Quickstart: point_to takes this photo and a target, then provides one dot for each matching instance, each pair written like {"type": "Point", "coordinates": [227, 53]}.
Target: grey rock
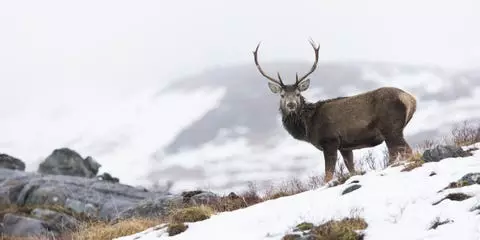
{"type": "Point", "coordinates": [10, 162]}
{"type": "Point", "coordinates": [21, 226]}
{"type": "Point", "coordinates": [108, 177]}
{"type": "Point", "coordinates": [444, 151]}
{"type": "Point", "coordinates": [89, 196]}
{"type": "Point", "coordinates": [151, 208]}
{"type": "Point", "coordinates": [11, 184]}
{"type": "Point", "coordinates": [65, 161]}
{"type": "Point", "coordinates": [200, 197]}
{"type": "Point", "coordinates": [351, 188]}
{"type": "Point", "coordinates": [471, 178]}
{"type": "Point", "coordinates": [205, 198]}
{"type": "Point", "coordinates": [58, 222]}
{"type": "Point", "coordinates": [92, 165]}
{"type": "Point", "coordinates": [113, 207]}
{"type": "Point", "coordinates": [81, 207]}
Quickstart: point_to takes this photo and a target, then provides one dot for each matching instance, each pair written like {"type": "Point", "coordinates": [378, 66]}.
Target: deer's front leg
{"type": "Point", "coordinates": [330, 155]}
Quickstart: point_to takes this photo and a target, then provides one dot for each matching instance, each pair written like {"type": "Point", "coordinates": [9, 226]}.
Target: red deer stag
{"type": "Point", "coordinates": [344, 123]}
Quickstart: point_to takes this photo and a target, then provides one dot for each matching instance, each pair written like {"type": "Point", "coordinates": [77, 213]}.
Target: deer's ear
{"type": "Point", "coordinates": [303, 85]}
{"type": "Point", "coordinates": [275, 88]}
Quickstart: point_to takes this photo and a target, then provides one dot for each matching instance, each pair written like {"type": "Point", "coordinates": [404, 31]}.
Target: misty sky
{"type": "Point", "coordinates": [73, 49]}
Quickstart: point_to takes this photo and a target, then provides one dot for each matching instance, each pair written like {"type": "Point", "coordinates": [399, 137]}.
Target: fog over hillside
{"type": "Point", "coordinates": [161, 91]}
{"type": "Point", "coordinates": [247, 117]}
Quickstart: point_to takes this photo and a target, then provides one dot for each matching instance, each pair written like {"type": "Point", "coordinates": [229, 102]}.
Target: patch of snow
{"type": "Point", "coordinates": [396, 205]}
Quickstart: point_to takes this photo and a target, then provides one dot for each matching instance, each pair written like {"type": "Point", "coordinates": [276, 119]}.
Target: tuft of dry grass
{"type": "Point", "coordinates": [292, 237]}
{"type": "Point", "coordinates": [105, 231]}
{"type": "Point", "coordinates": [176, 228]}
{"type": "Point", "coordinates": [304, 226]}
{"type": "Point", "coordinates": [26, 210]}
{"type": "Point", "coordinates": [286, 188]}
{"type": "Point", "coordinates": [413, 162]}
{"type": "Point", "coordinates": [345, 229]}
{"type": "Point", "coordinates": [465, 133]}
{"type": "Point", "coordinates": [191, 214]}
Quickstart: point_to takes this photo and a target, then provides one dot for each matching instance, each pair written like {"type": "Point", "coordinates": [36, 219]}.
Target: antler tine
{"type": "Point", "coordinates": [315, 49]}
{"type": "Point", "coordinates": [279, 81]}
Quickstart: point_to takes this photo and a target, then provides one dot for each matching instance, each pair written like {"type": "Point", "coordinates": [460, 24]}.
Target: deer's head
{"type": "Point", "coordinates": [291, 99]}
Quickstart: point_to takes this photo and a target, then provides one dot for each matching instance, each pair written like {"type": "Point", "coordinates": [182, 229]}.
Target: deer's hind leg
{"type": "Point", "coordinates": [397, 147]}
{"type": "Point", "coordinates": [396, 143]}
{"type": "Point", "coordinates": [392, 131]}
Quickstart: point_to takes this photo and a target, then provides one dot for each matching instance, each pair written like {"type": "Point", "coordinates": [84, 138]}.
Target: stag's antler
{"type": "Point", "coordinates": [279, 81]}
{"type": "Point", "coordinates": [315, 49]}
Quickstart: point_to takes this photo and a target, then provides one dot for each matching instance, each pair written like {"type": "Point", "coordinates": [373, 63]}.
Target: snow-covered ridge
{"type": "Point", "coordinates": [395, 204]}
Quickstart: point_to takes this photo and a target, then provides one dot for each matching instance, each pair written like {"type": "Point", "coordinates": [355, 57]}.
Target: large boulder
{"type": "Point", "coordinates": [65, 161]}
{"type": "Point", "coordinates": [151, 208]}
{"type": "Point", "coordinates": [38, 222]}
{"type": "Point", "coordinates": [89, 196]}
{"type": "Point", "coordinates": [22, 226]}
{"type": "Point", "coordinates": [56, 221]}
{"type": "Point", "coordinates": [444, 151]}
{"type": "Point", "coordinates": [10, 162]}
{"type": "Point", "coordinates": [107, 177]}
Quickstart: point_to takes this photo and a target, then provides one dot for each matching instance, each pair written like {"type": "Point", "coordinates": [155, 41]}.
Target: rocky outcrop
{"type": "Point", "coordinates": [38, 222]}
{"type": "Point", "coordinates": [10, 162]}
{"type": "Point", "coordinates": [102, 199]}
{"type": "Point", "coordinates": [158, 207]}
{"type": "Point", "coordinates": [66, 190]}
{"type": "Point", "coordinates": [87, 197]}
{"type": "Point", "coordinates": [198, 197]}
{"type": "Point", "coordinates": [108, 177]}
{"type": "Point", "coordinates": [20, 226]}
{"type": "Point", "coordinates": [65, 161]}
{"type": "Point", "coordinates": [150, 208]}
{"type": "Point", "coordinates": [444, 151]}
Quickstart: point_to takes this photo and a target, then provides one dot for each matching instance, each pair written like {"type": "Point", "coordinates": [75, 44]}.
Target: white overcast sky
{"type": "Point", "coordinates": [77, 46]}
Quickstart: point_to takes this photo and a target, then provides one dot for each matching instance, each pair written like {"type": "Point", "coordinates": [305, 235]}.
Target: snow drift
{"type": "Point", "coordinates": [395, 204]}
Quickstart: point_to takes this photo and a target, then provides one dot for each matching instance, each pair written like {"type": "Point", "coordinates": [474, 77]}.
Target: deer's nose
{"type": "Point", "coordinates": [291, 105]}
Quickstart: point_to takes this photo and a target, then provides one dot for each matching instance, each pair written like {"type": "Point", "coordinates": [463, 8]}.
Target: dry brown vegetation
{"type": "Point", "coordinates": [413, 162]}
{"type": "Point", "coordinates": [104, 231]}
{"type": "Point", "coordinates": [465, 133]}
{"type": "Point", "coordinates": [27, 209]}
{"type": "Point", "coordinates": [345, 229]}
{"type": "Point", "coordinates": [191, 214]}
{"type": "Point", "coordinates": [461, 134]}
{"type": "Point", "coordinates": [176, 228]}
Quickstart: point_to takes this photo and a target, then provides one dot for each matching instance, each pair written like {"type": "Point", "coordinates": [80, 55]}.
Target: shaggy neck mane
{"type": "Point", "coordinates": [296, 122]}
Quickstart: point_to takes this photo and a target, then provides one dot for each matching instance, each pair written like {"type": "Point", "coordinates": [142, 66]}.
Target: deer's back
{"type": "Point", "coordinates": [361, 118]}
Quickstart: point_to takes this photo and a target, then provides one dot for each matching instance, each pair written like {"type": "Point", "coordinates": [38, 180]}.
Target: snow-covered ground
{"type": "Point", "coordinates": [396, 205]}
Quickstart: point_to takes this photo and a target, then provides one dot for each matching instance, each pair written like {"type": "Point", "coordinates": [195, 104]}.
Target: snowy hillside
{"type": "Point", "coordinates": [394, 204]}
{"type": "Point", "coordinates": [220, 128]}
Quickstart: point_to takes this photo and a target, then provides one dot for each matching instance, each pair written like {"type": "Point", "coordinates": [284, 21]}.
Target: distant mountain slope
{"type": "Point", "coordinates": [220, 128]}
{"type": "Point", "coordinates": [248, 115]}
